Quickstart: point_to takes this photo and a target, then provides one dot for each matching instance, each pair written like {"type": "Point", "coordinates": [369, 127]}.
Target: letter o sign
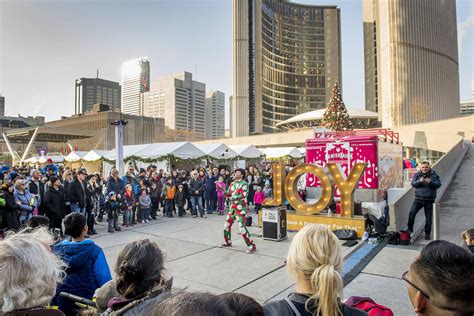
{"type": "Point", "coordinates": [291, 190]}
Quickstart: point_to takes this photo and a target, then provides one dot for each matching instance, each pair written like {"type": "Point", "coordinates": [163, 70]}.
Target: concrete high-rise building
{"type": "Point", "coordinates": [180, 101]}
{"type": "Point", "coordinates": [2, 105]}
{"type": "Point", "coordinates": [135, 82]}
{"type": "Point", "coordinates": [411, 60]}
{"type": "Point", "coordinates": [230, 116]}
{"type": "Point", "coordinates": [286, 58]}
{"type": "Point", "coordinates": [215, 114]}
{"type": "Point", "coordinates": [90, 91]}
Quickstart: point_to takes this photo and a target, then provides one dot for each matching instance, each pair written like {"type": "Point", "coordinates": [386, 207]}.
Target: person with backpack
{"type": "Point", "coordinates": [169, 191]}
{"type": "Point", "coordinates": [315, 262]}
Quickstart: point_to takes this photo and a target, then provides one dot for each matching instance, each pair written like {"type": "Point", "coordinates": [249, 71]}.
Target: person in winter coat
{"type": "Point", "coordinates": [139, 282]}
{"type": "Point", "coordinates": [114, 183]}
{"type": "Point", "coordinates": [25, 200]}
{"type": "Point", "coordinates": [54, 204]}
{"type": "Point", "coordinates": [220, 189]}
{"type": "Point", "coordinates": [92, 202]}
{"type": "Point", "coordinates": [37, 188]}
{"type": "Point", "coordinates": [183, 180]}
{"type": "Point", "coordinates": [267, 190]}
{"type": "Point", "coordinates": [258, 199]}
{"type": "Point", "coordinates": [210, 191]}
{"type": "Point", "coordinates": [196, 187]}
{"type": "Point", "coordinates": [68, 178]}
{"type": "Point", "coordinates": [145, 205]}
{"type": "Point", "coordinates": [112, 207]}
{"type": "Point", "coordinates": [426, 182]}
{"type": "Point", "coordinates": [180, 200]}
{"type": "Point", "coordinates": [315, 262]}
{"type": "Point", "coordinates": [11, 209]}
{"type": "Point", "coordinates": [77, 192]}
{"type": "Point", "coordinates": [87, 266]}
{"type": "Point", "coordinates": [128, 203]}
{"type": "Point", "coordinates": [169, 191]}
{"type": "Point", "coordinates": [155, 200]}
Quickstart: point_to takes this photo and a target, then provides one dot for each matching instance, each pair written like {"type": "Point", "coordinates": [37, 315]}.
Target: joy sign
{"type": "Point", "coordinates": [286, 187]}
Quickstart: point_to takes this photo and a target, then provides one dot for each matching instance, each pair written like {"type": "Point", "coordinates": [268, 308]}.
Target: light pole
{"type": "Point", "coordinates": [119, 124]}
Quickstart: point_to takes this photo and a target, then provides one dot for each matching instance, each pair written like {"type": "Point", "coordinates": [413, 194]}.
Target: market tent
{"type": "Point", "coordinates": [181, 150]}
{"type": "Point", "coordinates": [128, 151]}
{"type": "Point", "coordinates": [246, 151]}
{"type": "Point", "coordinates": [302, 151]}
{"type": "Point", "coordinates": [75, 155]}
{"type": "Point", "coordinates": [31, 160]}
{"type": "Point", "coordinates": [94, 155]}
{"type": "Point", "coordinates": [55, 159]}
{"type": "Point", "coordinates": [281, 152]}
{"type": "Point", "coordinates": [217, 151]}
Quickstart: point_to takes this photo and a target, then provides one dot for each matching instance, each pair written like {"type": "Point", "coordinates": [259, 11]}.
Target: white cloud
{"type": "Point", "coordinates": [464, 28]}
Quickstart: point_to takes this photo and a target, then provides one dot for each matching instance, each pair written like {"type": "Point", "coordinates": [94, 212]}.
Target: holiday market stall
{"type": "Point", "coordinates": [246, 155]}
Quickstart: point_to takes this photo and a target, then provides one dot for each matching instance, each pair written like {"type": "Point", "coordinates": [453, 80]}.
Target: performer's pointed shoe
{"type": "Point", "coordinates": [225, 245]}
{"type": "Point", "coordinates": [252, 249]}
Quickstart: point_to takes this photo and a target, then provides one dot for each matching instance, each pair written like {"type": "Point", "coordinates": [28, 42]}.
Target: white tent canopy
{"type": "Point", "coordinates": [218, 151]}
{"type": "Point", "coordinates": [183, 150]}
{"type": "Point", "coordinates": [128, 150]}
{"type": "Point", "coordinates": [246, 151]}
{"type": "Point", "coordinates": [94, 155]}
{"type": "Point", "coordinates": [75, 155]}
{"type": "Point", "coordinates": [280, 152]}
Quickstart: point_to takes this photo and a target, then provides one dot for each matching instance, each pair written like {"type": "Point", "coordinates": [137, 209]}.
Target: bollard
{"type": "Point", "coordinates": [436, 209]}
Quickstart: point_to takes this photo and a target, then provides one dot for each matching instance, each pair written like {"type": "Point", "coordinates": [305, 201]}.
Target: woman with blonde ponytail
{"type": "Point", "coordinates": [315, 262]}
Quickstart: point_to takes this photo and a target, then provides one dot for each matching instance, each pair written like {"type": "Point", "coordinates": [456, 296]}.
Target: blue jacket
{"type": "Point", "coordinates": [25, 200]}
{"type": "Point", "coordinates": [426, 191]}
{"type": "Point", "coordinates": [87, 270]}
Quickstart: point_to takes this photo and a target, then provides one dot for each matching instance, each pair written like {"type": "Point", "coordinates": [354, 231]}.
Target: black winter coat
{"type": "Point", "coordinates": [54, 202]}
{"type": "Point", "coordinates": [180, 198]}
{"type": "Point", "coordinates": [114, 185]}
{"type": "Point", "coordinates": [77, 194]}
{"type": "Point", "coordinates": [196, 185]}
{"type": "Point", "coordinates": [426, 191]}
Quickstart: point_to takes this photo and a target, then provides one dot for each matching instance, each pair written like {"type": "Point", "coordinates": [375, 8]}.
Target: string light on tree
{"type": "Point", "coordinates": [336, 117]}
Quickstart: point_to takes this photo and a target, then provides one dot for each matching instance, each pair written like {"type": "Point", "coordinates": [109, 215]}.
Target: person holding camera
{"type": "Point", "coordinates": [426, 182]}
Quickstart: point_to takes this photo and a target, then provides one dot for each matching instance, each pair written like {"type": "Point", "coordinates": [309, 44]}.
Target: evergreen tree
{"type": "Point", "coordinates": [336, 117]}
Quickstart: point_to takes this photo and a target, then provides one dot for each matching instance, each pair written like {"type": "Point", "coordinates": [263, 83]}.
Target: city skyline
{"type": "Point", "coordinates": [24, 55]}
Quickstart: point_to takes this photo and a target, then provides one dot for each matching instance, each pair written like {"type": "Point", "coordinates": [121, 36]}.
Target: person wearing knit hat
{"type": "Point", "coordinates": [13, 176]}
{"type": "Point", "coordinates": [11, 208]}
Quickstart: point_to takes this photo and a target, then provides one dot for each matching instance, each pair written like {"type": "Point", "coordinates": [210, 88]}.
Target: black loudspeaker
{"type": "Point", "coordinates": [274, 223]}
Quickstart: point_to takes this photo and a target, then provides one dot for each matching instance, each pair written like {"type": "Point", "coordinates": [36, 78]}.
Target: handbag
{"type": "Point", "coordinates": [345, 234]}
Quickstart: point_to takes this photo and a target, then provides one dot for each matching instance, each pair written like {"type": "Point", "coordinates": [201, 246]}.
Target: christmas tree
{"type": "Point", "coordinates": [336, 117]}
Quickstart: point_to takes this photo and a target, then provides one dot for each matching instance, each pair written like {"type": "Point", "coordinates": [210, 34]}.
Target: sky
{"type": "Point", "coordinates": [46, 44]}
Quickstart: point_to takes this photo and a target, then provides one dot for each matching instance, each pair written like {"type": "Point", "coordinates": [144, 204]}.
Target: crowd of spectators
{"type": "Point", "coordinates": [137, 197]}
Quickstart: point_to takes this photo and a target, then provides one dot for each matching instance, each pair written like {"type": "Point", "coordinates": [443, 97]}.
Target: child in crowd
{"type": "Point", "coordinates": [155, 200]}
{"type": "Point", "coordinates": [468, 239]}
{"type": "Point", "coordinates": [145, 204]}
{"type": "Point", "coordinates": [128, 203]}
{"type": "Point", "coordinates": [258, 198]}
{"type": "Point", "coordinates": [180, 200]}
{"type": "Point", "coordinates": [169, 191]}
{"type": "Point", "coordinates": [112, 207]}
{"type": "Point", "coordinates": [220, 188]}
{"type": "Point", "coordinates": [267, 190]}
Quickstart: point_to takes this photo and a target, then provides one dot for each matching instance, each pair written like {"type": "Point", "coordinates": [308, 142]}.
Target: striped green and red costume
{"type": "Point", "coordinates": [237, 193]}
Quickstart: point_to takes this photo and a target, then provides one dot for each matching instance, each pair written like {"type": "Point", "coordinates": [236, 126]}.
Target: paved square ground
{"type": "Point", "coordinates": [195, 261]}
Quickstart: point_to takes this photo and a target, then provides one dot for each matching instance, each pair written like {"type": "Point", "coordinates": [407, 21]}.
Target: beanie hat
{"type": "Point", "coordinates": [5, 168]}
{"type": "Point", "coordinates": [12, 175]}
{"type": "Point", "coordinates": [109, 195]}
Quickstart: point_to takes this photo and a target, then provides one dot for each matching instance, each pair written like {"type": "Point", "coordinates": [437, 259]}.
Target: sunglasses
{"type": "Point", "coordinates": [404, 277]}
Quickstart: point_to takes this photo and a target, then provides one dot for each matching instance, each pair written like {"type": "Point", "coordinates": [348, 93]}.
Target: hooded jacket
{"type": "Point", "coordinates": [87, 270]}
